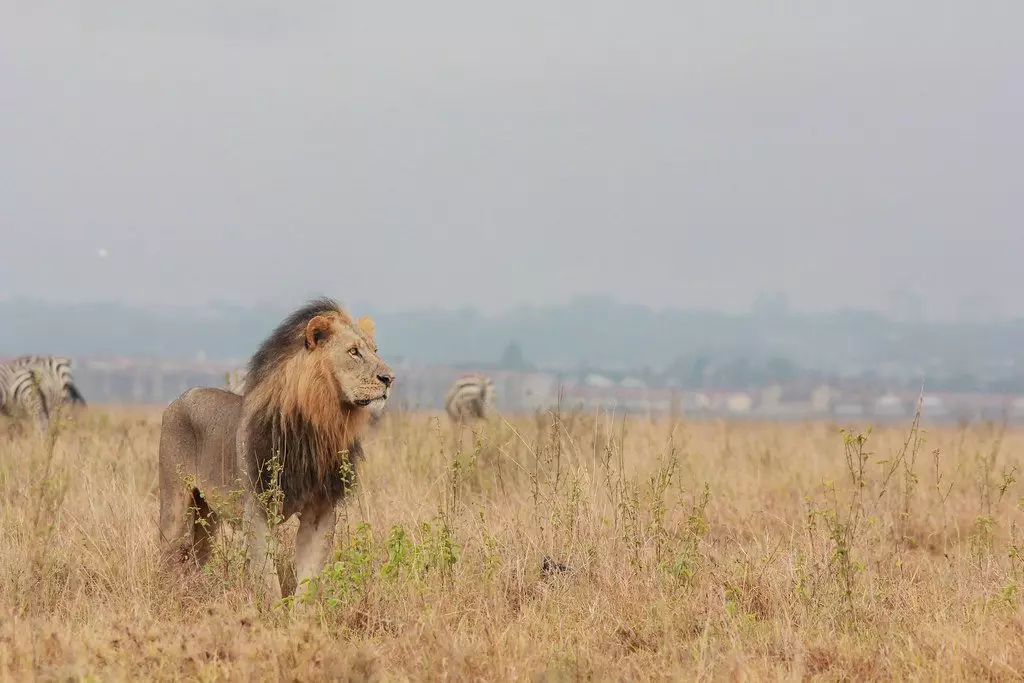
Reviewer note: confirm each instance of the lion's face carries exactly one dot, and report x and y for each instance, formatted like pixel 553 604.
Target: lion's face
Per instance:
pixel 351 355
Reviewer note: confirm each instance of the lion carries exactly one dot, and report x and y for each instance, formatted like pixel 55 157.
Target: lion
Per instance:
pixel 310 389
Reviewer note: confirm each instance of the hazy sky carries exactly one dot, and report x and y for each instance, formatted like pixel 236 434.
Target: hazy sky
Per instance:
pixel 462 152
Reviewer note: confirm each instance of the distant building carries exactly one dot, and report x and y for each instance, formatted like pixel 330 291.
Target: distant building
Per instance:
pixel 889 405
pixel 739 402
pixel 525 391
pixel 852 404
pixel 421 387
pixel 823 399
pixel 796 401
pixel 932 406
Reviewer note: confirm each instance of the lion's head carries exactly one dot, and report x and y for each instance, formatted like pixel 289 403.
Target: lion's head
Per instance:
pixel 318 375
pixel 346 351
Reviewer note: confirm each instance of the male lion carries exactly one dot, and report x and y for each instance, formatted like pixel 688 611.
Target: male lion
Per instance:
pixel 310 388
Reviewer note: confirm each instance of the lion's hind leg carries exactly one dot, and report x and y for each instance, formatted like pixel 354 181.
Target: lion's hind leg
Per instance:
pixel 175 526
pixel 204 527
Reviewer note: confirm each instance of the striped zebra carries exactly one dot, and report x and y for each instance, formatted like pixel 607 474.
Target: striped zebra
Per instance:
pixel 56 365
pixel 33 391
pixel 470 397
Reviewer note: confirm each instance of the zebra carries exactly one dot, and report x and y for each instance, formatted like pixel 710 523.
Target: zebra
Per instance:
pixel 35 391
pixel 57 365
pixel 470 397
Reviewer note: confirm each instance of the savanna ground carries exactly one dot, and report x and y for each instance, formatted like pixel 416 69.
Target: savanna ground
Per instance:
pixel 677 550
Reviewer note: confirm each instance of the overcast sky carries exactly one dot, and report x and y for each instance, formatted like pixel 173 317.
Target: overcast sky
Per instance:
pixel 468 153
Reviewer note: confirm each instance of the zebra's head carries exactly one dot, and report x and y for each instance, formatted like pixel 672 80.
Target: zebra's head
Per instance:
pixel 73 395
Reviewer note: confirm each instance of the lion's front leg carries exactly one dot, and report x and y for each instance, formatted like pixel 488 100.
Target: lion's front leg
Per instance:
pixel 314 540
pixel 261 548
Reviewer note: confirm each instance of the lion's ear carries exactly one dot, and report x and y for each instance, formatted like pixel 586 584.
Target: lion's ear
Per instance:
pixel 366 325
pixel 318 329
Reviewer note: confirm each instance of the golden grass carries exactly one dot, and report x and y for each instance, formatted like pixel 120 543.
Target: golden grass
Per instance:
pixel 692 551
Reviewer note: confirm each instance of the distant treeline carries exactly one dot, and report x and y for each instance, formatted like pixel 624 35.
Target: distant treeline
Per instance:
pixel 589 332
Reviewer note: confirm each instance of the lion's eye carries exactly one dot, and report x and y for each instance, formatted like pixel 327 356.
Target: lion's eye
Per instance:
pixel 354 352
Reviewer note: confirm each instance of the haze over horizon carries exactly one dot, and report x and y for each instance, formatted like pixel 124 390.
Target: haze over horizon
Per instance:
pixel 676 155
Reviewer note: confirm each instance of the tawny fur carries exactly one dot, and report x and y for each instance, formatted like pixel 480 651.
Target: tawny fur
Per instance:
pixel 305 400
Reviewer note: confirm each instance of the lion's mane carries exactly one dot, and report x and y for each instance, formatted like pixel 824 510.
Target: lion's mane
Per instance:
pixel 294 408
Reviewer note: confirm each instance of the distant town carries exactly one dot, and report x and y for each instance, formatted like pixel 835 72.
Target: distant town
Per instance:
pixel 592 353
pixel 423 387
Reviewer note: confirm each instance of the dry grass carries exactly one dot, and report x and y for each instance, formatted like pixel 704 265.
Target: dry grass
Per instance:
pixel 691 551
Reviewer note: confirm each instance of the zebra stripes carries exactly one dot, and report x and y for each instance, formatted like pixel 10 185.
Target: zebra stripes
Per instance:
pixel 33 391
pixel 469 398
pixel 54 365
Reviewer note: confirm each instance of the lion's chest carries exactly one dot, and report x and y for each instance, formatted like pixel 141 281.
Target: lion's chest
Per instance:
pixel 309 472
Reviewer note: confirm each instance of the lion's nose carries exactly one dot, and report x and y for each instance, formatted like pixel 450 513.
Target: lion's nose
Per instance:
pixel 386 380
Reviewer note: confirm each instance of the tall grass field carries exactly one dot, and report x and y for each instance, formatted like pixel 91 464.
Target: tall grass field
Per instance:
pixel 561 546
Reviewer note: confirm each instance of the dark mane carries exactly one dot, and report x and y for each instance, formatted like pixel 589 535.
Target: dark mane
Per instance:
pixel 294 411
pixel 282 342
